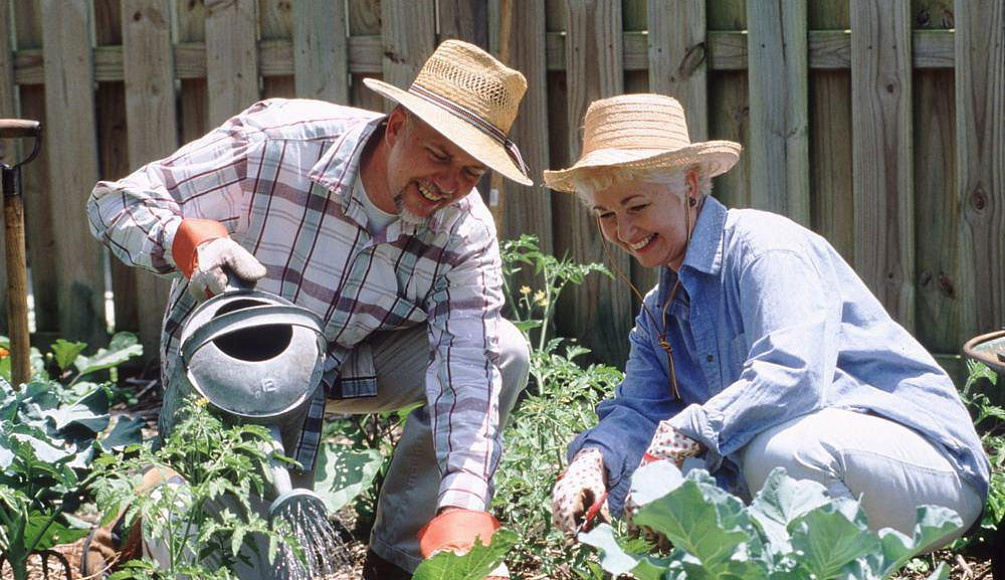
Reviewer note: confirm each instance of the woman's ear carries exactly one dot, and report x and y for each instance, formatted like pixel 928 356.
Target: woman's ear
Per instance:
pixel 691 182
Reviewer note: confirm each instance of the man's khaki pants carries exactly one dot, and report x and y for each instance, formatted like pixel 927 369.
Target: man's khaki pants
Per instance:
pixel 408 497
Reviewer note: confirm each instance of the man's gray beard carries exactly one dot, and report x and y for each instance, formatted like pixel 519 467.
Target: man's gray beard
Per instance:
pixel 405 214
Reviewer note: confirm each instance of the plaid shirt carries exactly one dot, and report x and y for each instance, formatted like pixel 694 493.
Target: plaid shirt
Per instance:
pixel 280 177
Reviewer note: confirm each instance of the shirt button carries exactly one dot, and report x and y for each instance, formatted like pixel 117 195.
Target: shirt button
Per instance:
pixel 709 358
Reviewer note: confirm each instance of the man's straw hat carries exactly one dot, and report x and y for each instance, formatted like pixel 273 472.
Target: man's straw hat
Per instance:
pixel 642 131
pixel 472 99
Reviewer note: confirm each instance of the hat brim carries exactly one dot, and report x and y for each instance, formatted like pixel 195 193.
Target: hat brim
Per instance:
pixel 714 157
pixel 460 132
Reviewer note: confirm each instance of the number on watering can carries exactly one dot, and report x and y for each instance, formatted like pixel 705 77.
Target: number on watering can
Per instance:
pixel 267 386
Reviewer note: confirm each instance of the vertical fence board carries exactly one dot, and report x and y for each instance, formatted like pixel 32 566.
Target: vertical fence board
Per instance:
pixel 276 24
pixel 980 157
pixel 321 50
pixel 601 309
pixel 635 19
pixel 74 167
pixel 528 209
pixel 231 57
pixel 194 101
pixel 468 20
pixel 729 114
pixel 113 159
pixel 678 63
pixel 9 152
pixel 777 69
pixel 832 201
pixel 150 114
pixel 881 154
pixel 409 30
pixel 938 213
pixel 37 194
pixel 364 20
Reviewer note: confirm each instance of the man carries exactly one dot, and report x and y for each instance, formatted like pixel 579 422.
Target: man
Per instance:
pixel 373 223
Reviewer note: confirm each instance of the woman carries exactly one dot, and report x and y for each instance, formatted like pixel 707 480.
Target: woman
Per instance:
pixel 760 347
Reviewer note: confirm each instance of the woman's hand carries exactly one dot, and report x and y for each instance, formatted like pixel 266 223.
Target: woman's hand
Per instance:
pixel 579 489
pixel 668 444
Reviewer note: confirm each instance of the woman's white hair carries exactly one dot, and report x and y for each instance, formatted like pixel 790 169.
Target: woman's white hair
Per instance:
pixel 590 181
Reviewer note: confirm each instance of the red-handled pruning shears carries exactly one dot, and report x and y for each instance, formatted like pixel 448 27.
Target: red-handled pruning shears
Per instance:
pixel 591 514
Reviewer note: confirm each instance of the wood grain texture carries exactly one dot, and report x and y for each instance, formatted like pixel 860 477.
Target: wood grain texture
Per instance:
pixel 9 150
pixel 779 108
pixel 153 134
pixel 528 209
pixel 276 27
pixel 980 160
pixel 833 204
pixel 364 22
pixel 321 50
pixel 73 167
pixel 882 153
pixel 409 31
pixel 231 57
pixel 729 110
pixel 468 20
pixel 678 58
pixel 601 307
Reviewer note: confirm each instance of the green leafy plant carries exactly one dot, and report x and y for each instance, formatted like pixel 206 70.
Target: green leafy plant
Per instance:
pixel 476 564
pixel 49 434
pixel 791 530
pixel 558 404
pixel 214 460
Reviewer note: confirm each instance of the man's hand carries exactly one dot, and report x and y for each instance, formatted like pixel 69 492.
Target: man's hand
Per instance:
pixel 577 490
pixel 214 259
pixel 454 530
pixel 202 249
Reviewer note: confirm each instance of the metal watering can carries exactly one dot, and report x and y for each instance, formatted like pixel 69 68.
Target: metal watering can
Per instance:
pixel 257 357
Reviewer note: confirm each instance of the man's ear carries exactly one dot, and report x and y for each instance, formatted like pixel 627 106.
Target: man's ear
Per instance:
pixel 396 122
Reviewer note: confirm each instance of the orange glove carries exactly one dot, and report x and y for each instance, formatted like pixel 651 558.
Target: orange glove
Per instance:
pixel 455 529
pixel 204 252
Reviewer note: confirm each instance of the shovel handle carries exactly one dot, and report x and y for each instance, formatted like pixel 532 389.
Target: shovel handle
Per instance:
pixel 17 128
pixel 17 290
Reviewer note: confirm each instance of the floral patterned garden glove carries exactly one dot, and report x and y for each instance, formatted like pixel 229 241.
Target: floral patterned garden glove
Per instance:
pixel 579 489
pixel 667 443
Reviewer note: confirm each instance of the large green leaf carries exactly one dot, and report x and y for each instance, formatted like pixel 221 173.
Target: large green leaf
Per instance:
pixel 46 532
pixel 612 557
pixel 122 347
pixel 827 539
pixel 475 565
pixel 691 518
pixel 780 501
pixel 344 473
pixel 933 522
pixel 127 431
pixel 66 352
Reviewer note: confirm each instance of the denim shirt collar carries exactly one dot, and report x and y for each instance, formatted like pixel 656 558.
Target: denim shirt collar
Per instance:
pixel 704 253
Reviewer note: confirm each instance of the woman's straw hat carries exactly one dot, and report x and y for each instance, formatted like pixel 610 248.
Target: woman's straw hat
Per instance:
pixel 472 99
pixel 642 131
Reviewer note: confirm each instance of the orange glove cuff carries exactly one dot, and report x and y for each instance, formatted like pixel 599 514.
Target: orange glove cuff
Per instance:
pixel 190 234
pixel 456 530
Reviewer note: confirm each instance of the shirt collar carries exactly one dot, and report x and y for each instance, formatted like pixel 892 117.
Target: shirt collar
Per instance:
pixel 704 253
pixel 338 170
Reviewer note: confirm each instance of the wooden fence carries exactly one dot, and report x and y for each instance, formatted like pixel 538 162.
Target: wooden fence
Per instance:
pixel 878 123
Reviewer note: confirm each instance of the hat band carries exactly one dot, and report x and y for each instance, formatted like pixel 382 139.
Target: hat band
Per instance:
pixel 479 122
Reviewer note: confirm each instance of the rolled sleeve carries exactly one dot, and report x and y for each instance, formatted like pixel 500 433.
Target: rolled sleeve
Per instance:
pixel 791 320
pixel 463 379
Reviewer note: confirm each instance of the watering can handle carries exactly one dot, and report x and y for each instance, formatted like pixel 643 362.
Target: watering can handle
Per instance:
pixel 236 284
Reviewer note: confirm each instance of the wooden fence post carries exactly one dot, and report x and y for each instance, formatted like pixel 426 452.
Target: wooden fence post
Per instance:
pixel 409 31
pixel 980 159
pixel 69 99
pixel 151 118
pixel 468 20
pixel 8 153
pixel 321 50
pixel 881 155
pixel 678 58
pixel 528 209
pixel 729 105
pixel 231 57
pixel 601 307
pixel 194 102
pixel 364 20
pixel 778 73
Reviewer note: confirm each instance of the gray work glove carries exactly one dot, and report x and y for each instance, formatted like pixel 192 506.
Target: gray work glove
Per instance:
pixel 215 259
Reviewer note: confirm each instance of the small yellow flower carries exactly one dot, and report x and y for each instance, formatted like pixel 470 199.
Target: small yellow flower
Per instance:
pixel 543 302
pixel 541 298
pixel 525 290
pixel 202 402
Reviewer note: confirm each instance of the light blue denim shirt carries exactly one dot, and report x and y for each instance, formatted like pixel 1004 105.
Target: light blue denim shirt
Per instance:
pixel 770 323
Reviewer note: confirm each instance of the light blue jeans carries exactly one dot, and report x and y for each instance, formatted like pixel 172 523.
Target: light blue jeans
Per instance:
pixel 855 455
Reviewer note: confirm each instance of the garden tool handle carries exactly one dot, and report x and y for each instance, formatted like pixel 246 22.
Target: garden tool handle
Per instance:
pixel 17 288
pixel 18 128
